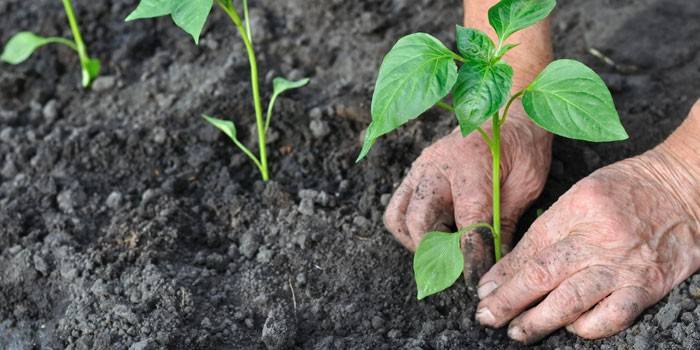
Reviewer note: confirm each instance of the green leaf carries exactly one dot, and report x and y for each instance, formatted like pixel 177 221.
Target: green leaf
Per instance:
pixel 280 85
pixel 569 99
pixel 91 70
pixel 189 15
pixel 510 16
pixel 417 73
pixel 150 9
pixel 23 44
pixel 480 91
pixel 226 126
pixel 438 262
pixel 229 128
pixel 474 45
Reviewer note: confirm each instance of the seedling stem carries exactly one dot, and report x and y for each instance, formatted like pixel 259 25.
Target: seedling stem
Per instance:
pixel 79 46
pixel 496 180
pixel 244 31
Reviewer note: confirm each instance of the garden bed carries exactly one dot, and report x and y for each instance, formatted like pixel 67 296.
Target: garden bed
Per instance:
pixel 128 221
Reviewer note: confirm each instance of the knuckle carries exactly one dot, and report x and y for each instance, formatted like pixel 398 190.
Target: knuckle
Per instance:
pixel 568 297
pixel 590 188
pixel 503 308
pixel 651 274
pixel 537 274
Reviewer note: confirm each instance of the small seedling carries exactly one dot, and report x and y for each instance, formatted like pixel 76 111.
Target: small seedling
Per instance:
pixel 566 98
pixel 23 44
pixel 190 16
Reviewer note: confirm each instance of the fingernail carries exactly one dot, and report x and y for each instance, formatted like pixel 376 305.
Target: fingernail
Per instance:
pixel 486 289
pixel 516 333
pixel 570 328
pixel 484 316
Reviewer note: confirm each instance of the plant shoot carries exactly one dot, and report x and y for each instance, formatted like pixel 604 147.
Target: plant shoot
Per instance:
pixel 191 16
pixel 23 44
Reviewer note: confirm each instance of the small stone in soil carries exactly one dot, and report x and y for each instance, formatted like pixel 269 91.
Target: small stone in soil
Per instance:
pixel 50 111
pixel 146 344
pixel 40 264
pixel 264 255
pixel 667 315
pixel 306 207
pixel 315 113
pixel 249 245
pixel 641 342
pixel 148 195
pixel 68 200
pixel 694 290
pixel 114 200
pixel 103 83
pixel 280 328
pixel 385 198
pixel 319 128
pixel 377 322
pixel 159 135
pixel 362 222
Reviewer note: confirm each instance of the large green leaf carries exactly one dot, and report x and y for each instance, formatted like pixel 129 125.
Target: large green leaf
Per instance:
pixel 480 91
pixel 571 100
pixel 417 73
pixel 280 85
pixel 510 16
pixel 189 15
pixel 150 9
pixel 23 44
pixel 438 262
pixel 474 45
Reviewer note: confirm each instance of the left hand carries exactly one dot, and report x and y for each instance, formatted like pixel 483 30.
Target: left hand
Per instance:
pixel 613 245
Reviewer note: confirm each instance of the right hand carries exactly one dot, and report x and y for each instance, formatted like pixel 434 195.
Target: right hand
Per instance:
pixel 450 183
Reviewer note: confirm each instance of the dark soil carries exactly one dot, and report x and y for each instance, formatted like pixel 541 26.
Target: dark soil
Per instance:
pixel 127 222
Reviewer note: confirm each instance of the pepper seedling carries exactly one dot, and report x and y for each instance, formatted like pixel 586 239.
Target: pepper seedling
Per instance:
pixel 191 16
pixel 567 98
pixel 23 44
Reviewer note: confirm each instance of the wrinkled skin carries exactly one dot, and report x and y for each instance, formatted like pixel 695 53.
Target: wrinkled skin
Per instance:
pixel 613 245
pixel 450 183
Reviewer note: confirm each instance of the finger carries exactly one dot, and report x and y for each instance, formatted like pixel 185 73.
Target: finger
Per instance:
pixel 564 304
pixel 395 214
pixel 477 249
pixel 514 201
pixel 613 314
pixel 540 235
pixel 430 206
pixel 472 205
pixel 536 278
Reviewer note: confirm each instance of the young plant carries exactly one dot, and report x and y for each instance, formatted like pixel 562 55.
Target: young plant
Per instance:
pixel 23 44
pixel 190 16
pixel 566 98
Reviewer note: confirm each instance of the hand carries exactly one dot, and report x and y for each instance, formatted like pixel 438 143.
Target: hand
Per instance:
pixel 613 245
pixel 450 183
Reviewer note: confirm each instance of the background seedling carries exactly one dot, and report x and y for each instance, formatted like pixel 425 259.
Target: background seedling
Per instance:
pixel 566 98
pixel 190 16
pixel 23 44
